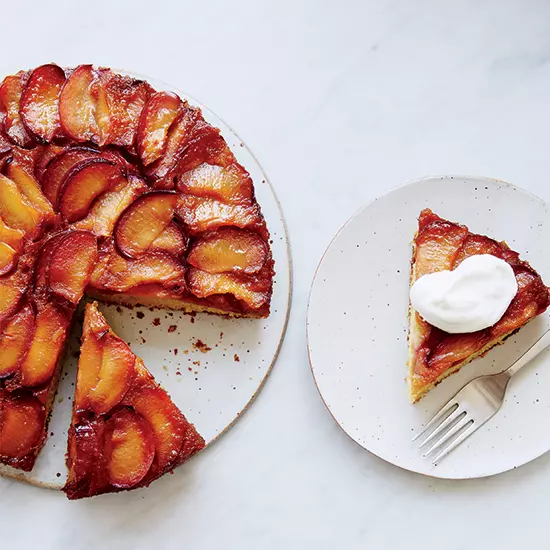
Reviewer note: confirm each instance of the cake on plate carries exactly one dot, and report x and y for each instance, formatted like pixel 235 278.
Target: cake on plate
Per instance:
pixel 114 190
pixel 125 431
pixel 434 354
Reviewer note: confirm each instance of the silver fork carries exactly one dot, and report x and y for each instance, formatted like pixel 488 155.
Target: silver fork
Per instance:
pixel 476 403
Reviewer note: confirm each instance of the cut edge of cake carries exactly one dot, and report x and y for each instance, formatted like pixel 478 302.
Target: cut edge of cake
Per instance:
pixel 173 304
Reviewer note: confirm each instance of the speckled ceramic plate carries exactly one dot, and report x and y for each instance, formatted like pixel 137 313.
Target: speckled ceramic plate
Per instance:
pixel 357 328
pixel 211 366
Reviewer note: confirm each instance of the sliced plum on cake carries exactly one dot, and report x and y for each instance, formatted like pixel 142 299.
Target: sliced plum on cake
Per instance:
pixel 11 90
pixel 39 107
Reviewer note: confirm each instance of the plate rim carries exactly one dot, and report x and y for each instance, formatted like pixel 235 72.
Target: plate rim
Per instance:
pixel 393 189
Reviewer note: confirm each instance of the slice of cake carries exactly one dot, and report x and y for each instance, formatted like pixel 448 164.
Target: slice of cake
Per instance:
pixel 434 354
pixel 125 431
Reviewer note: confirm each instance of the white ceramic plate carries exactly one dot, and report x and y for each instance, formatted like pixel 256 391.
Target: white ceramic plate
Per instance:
pixel 212 388
pixel 357 328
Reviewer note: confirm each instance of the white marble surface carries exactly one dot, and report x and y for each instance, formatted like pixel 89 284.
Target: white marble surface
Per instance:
pixel 340 101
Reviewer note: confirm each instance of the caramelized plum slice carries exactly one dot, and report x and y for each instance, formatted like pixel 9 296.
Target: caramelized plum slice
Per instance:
pixel 164 418
pixel 56 172
pixel 203 284
pixel 14 286
pixel 10 99
pixel 230 184
pixel 46 347
pixel 144 221
pixel 21 424
pixel 106 366
pixel 10 236
pixel 117 274
pixel 179 135
pixel 107 209
pixel 77 105
pixel 23 177
pixel 130 450
pixel 43 156
pixel 477 244
pixel 530 300
pixel 11 243
pixel 455 348
pixel 204 214
pixel 229 249
pixel 16 211
pixel 206 146
pixel 105 378
pixel 15 340
pixel 86 181
pixel 437 244
pixel 85 459
pixel 8 258
pixel 40 101
pixel 171 240
pixel 71 265
pixel 126 98
pixel 156 118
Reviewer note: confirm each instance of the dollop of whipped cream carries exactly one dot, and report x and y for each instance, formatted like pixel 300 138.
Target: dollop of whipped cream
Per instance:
pixel 472 297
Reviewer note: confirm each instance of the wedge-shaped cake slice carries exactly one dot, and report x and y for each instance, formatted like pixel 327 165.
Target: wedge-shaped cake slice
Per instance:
pixel 434 354
pixel 125 431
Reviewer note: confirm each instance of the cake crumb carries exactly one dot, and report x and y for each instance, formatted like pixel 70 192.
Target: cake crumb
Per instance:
pixel 156 321
pixel 140 315
pixel 236 358
pixel 119 309
pixel 201 346
pixel 175 351
pixel 192 319
pixel 164 367
pixel 172 328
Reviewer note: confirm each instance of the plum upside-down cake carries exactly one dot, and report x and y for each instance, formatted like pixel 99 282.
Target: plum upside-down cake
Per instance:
pixel 434 354
pixel 110 189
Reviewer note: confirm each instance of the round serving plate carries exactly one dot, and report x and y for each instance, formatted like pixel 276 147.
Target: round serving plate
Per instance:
pixel 212 366
pixel 357 328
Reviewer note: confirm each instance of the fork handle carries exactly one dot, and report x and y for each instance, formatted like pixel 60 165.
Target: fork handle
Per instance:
pixel 540 345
